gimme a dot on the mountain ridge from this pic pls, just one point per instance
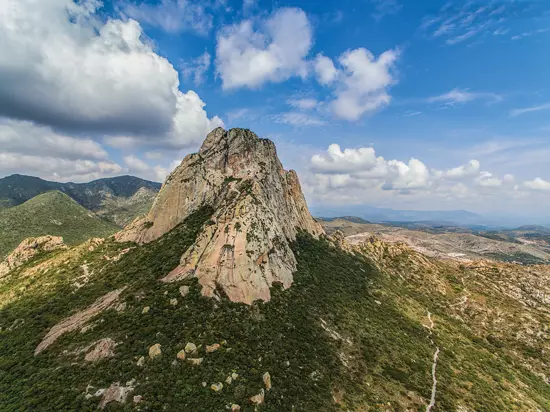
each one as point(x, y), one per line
point(113, 198)
point(51, 213)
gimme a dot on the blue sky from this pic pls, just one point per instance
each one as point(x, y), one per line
point(432, 104)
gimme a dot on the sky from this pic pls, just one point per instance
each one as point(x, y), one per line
point(425, 105)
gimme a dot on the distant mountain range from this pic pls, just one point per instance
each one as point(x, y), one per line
point(376, 214)
point(117, 199)
point(429, 217)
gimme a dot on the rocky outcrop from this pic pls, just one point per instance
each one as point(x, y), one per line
point(116, 393)
point(78, 320)
point(28, 249)
point(259, 207)
point(104, 348)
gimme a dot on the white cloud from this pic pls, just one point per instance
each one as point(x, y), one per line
point(54, 168)
point(361, 166)
point(173, 16)
point(25, 137)
point(27, 148)
point(298, 119)
point(361, 84)
point(252, 53)
point(358, 175)
point(471, 169)
point(135, 164)
point(518, 112)
point(61, 66)
point(537, 184)
point(138, 167)
point(197, 68)
point(303, 104)
point(457, 22)
point(325, 70)
point(459, 96)
point(487, 179)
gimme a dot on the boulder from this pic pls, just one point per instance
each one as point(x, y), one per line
point(259, 398)
point(155, 351)
point(146, 309)
point(195, 361)
point(184, 290)
point(181, 355)
point(190, 348)
point(173, 302)
point(267, 380)
point(141, 361)
point(216, 387)
point(212, 348)
point(235, 407)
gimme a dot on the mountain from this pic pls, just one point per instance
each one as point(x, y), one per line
point(378, 214)
point(258, 209)
point(118, 199)
point(52, 213)
point(229, 296)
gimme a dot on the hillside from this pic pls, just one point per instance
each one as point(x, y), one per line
point(118, 199)
point(51, 213)
point(451, 242)
point(161, 319)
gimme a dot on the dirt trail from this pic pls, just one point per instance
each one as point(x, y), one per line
point(434, 364)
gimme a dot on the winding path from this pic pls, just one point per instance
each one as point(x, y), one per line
point(434, 365)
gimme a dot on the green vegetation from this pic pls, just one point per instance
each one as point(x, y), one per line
point(344, 330)
point(51, 213)
point(17, 189)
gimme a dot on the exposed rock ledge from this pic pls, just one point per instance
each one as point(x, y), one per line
point(29, 248)
point(258, 207)
point(78, 320)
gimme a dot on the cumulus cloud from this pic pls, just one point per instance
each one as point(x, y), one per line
point(173, 16)
point(325, 70)
point(139, 167)
point(26, 138)
point(469, 170)
point(30, 149)
point(358, 175)
point(55, 168)
point(537, 184)
point(361, 167)
point(254, 52)
point(361, 83)
point(60, 66)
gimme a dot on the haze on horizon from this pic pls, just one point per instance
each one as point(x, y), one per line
point(380, 103)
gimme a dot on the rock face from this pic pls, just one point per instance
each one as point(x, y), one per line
point(29, 248)
point(78, 320)
point(258, 207)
